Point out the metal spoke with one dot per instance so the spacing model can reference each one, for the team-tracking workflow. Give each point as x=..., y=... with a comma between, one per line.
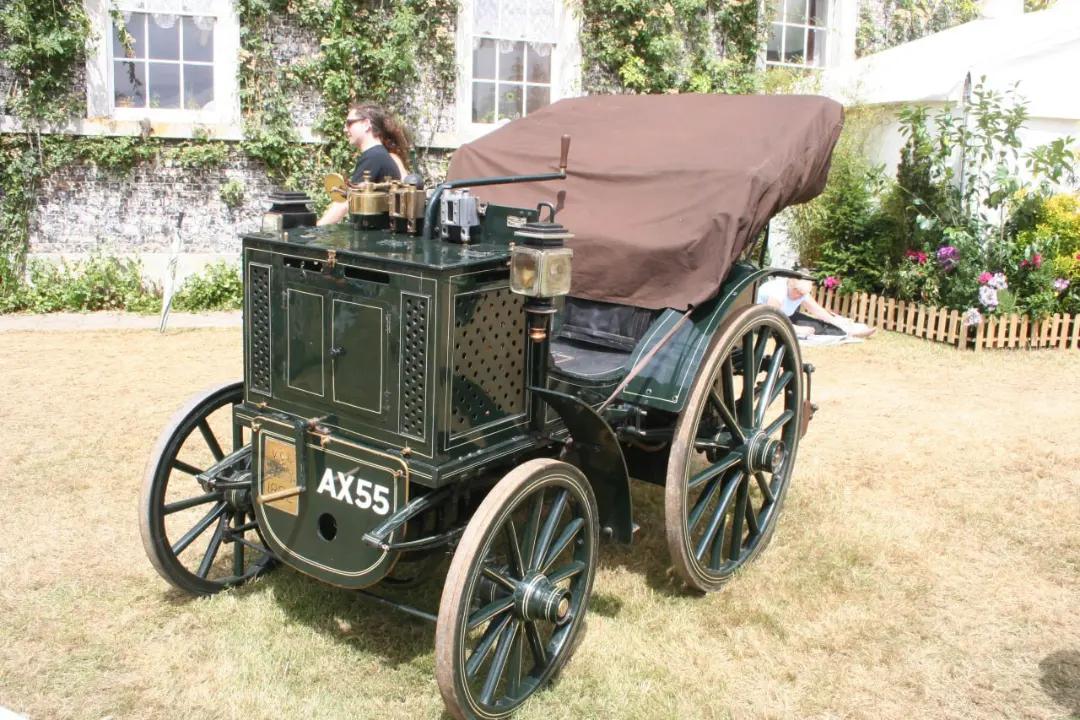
x=729, y=461
x=770, y=382
x=513, y=682
x=782, y=383
x=568, y=534
x=780, y=421
x=498, y=663
x=179, y=505
x=211, y=441
x=542, y=543
x=759, y=348
x=532, y=527
x=238, y=548
x=735, y=549
x=489, y=611
x=566, y=571
x=495, y=576
x=514, y=548
x=186, y=467
x=199, y=528
x=727, y=383
x=536, y=643
x=212, y=549
x=717, y=522
x=483, y=648
x=751, y=518
x=764, y=485
x=702, y=502
x=746, y=409
x=725, y=415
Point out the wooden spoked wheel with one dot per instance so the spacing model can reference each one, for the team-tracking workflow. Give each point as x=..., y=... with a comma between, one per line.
x=517, y=590
x=187, y=524
x=734, y=448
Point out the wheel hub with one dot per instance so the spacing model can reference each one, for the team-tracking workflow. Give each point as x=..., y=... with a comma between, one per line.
x=765, y=453
x=537, y=598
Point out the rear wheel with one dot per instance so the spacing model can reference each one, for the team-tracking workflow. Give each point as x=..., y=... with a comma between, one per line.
x=200, y=533
x=516, y=592
x=734, y=448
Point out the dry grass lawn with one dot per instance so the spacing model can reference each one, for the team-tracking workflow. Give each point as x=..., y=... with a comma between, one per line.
x=927, y=563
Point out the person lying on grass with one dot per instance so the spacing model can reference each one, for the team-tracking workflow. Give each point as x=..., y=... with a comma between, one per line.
x=794, y=297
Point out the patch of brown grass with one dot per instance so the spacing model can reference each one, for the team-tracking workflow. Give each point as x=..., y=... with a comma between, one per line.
x=926, y=564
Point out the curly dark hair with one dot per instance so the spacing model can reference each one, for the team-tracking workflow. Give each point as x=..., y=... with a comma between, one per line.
x=385, y=127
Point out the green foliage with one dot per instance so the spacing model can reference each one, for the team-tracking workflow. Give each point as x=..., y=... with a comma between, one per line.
x=232, y=193
x=217, y=287
x=99, y=283
x=843, y=232
x=899, y=21
x=43, y=43
x=957, y=227
x=640, y=46
x=199, y=154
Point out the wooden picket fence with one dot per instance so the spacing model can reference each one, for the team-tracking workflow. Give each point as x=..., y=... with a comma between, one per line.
x=1061, y=332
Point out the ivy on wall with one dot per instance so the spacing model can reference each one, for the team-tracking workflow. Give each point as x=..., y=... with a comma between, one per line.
x=892, y=22
x=642, y=46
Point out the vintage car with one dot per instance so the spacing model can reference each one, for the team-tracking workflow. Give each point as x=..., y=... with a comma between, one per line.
x=479, y=371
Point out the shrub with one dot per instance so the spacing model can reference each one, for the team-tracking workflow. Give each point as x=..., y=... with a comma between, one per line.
x=99, y=283
x=217, y=287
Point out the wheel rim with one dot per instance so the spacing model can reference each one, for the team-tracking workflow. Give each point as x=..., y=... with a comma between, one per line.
x=739, y=439
x=524, y=596
x=188, y=525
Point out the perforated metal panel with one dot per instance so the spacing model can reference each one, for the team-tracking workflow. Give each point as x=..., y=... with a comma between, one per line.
x=489, y=359
x=259, y=309
x=413, y=365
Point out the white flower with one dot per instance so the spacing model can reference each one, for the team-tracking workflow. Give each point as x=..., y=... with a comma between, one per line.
x=998, y=282
x=988, y=297
x=972, y=317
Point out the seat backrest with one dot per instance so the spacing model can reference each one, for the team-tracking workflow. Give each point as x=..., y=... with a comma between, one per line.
x=608, y=325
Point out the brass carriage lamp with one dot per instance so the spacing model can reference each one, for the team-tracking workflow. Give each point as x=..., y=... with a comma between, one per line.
x=540, y=264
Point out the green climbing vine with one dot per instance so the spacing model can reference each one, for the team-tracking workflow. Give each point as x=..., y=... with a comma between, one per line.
x=891, y=22
x=643, y=46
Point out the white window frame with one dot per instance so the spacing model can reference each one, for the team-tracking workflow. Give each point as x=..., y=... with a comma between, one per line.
x=565, y=66
x=830, y=36
x=99, y=63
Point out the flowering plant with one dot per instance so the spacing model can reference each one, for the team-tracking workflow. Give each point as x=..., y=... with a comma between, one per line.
x=916, y=256
x=831, y=282
x=972, y=317
x=1061, y=285
x=947, y=257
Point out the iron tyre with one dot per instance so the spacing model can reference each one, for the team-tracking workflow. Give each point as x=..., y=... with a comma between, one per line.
x=516, y=592
x=185, y=525
x=742, y=421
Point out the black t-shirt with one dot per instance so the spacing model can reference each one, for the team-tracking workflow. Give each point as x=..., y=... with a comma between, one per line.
x=376, y=159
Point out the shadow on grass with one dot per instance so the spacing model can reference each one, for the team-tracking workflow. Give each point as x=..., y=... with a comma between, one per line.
x=648, y=554
x=1061, y=679
x=351, y=618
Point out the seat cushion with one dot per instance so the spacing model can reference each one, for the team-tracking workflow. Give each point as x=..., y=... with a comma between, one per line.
x=585, y=361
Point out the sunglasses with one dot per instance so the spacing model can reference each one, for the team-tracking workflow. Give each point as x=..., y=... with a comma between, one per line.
x=349, y=121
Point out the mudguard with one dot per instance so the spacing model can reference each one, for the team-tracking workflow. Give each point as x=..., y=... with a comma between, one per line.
x=600, y=458
x=665, y=382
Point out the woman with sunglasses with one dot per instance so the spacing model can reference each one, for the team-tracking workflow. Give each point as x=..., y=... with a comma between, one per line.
x=382, y=144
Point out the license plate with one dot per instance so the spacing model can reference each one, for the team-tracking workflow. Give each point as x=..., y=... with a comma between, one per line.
x=279, y=473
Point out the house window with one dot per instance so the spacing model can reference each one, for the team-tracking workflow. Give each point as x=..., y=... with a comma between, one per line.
x=513, y=54
x=165, y=61
x=798, y=36
x=169, y=61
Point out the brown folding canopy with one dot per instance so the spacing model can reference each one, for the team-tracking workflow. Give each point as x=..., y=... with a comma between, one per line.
x=663, y=192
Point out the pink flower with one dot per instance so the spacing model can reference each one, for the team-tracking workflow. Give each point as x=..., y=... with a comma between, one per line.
x=1037, y=260
x=916, y=256
x=831, y=283
x=985, y=278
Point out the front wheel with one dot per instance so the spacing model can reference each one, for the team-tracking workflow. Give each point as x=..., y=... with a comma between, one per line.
x=734, y=448
x=188, y=524
x=517, y=589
